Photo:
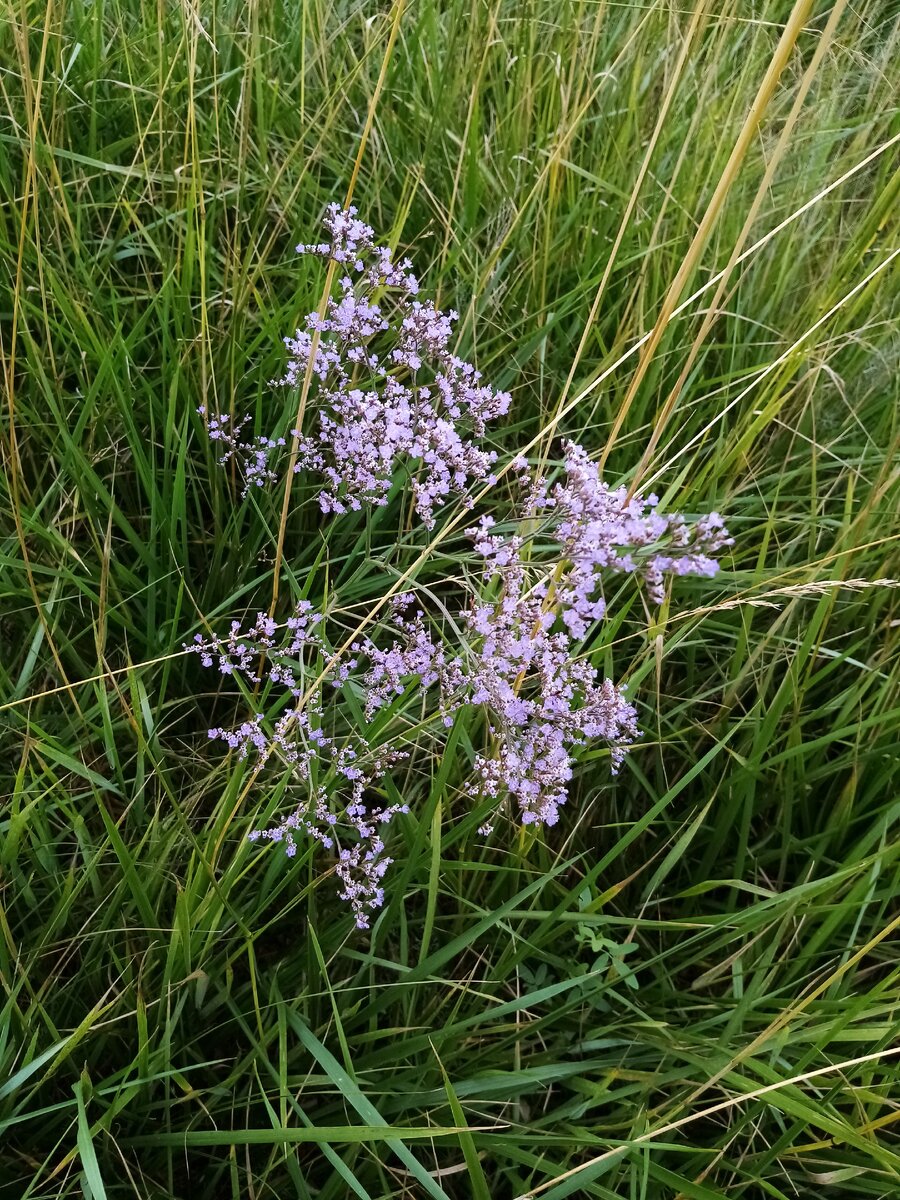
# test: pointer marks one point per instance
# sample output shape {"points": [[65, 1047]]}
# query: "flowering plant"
{"points": [[389, 394]]}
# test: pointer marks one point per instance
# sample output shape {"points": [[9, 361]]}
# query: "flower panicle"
{"points": [[391, 391]]}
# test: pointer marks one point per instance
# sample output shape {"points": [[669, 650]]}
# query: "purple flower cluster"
{"points": [[255, 456], [355, 838], [334, 776], [390, 393], [595, 530], [540, 700], [600, 528], [415, 656], [520, 659]]}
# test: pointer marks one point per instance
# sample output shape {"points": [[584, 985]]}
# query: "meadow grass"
{"points": [[687, 988]]}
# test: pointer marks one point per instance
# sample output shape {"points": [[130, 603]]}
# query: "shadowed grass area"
{"points": [[687, 988]]}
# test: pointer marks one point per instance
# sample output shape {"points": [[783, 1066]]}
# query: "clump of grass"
{"points": [[689, 989]]}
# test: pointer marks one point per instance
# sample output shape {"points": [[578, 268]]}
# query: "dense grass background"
{"points": [[692, 982]]}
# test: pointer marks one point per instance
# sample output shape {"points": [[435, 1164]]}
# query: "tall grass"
{"points": [[689, 987]]}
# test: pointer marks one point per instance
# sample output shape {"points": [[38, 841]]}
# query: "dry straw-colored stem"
{"points": [[34, 88], [690, 261], [323, 305], [677, 72], [762, 191], [779, 361]]}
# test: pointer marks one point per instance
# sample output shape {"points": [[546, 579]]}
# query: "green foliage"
{"points": [[689, 986]]}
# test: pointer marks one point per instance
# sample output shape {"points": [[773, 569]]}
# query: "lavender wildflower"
{"points": [[255, 456], [541, 701], [354, 836], [334, 774], [600, 528], [390, 393]]}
